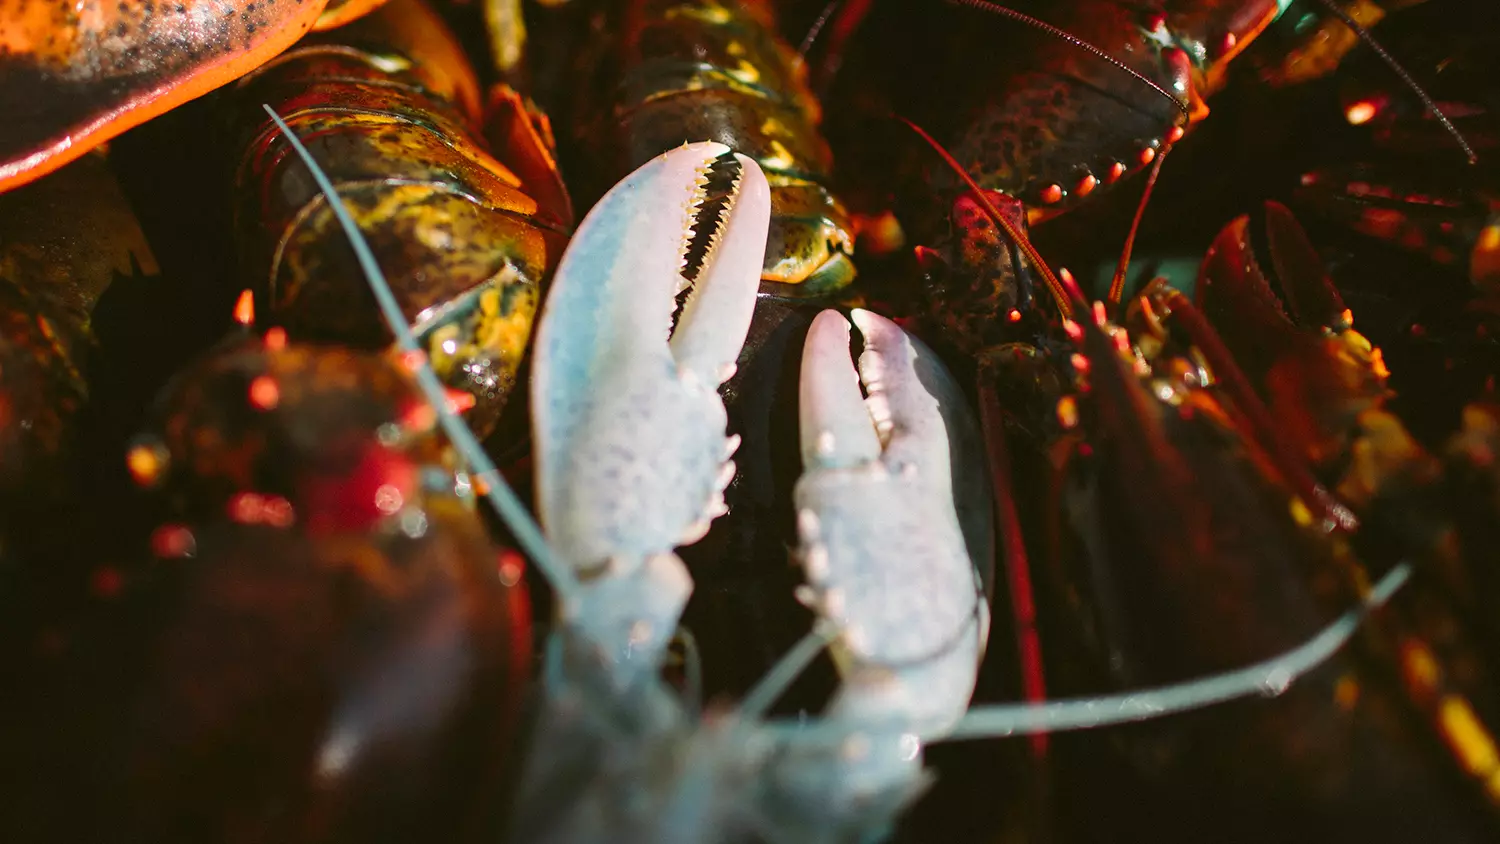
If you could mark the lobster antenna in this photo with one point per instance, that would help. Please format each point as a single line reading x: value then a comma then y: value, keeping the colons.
x: 1268, y: 678
x: 1017, y: 563
x: 1427, y: 101
x: 816, y: 30
x: 488, y: 478
x: 786, y: 670
x: 1055, y: 32
x: 1053, y: 286
x: 1117, y: 284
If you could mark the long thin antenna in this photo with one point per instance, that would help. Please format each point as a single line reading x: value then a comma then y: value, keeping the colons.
x: 786, y: 670
x: 1268, y: 678
x: 817, y: 28
x: 1427, y: 101
x: 1017, y: 562
x: 1055, y: 32
x: 488, y: 478
x: 1117, y: 284
x: 1053, y: 285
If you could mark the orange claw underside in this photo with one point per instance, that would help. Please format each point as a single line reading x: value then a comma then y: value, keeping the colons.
x: 74, y: 75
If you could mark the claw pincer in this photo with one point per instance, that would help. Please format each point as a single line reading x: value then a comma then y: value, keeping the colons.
x: 631, y: 450
x: 881, y: 543
x: 887, y: 563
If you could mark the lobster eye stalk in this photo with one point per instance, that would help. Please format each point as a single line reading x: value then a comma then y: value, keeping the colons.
x: 496, y: 490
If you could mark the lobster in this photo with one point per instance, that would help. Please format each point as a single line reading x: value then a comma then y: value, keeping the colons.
x: 1325, y: 386
x: 323, y: 643
x: 64, y: 241
x: 391, y: 104
x: 1213, y: 549
x: 1447, y: 213
x: 615, y: 509
x: 678, y: 71
x: 73, y: 77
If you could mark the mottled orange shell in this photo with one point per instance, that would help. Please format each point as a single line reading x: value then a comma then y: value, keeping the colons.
x: 74, y: 75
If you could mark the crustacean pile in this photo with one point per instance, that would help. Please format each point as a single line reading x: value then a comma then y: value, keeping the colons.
x: 673, y: 421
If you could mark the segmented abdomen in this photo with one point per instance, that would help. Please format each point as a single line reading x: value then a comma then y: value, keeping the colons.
x: 388, y: 108
x: 702, y: 71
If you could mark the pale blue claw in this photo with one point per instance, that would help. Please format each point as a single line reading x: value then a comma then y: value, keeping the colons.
x: 630, y: 430
x: 881, y: 546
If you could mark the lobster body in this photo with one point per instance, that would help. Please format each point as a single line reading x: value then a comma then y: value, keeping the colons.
x: 1324, y: 383
x: 391, y: 105
x: 676, y: 72
x: 324, y: 645
x: 1193, y: 558
x: 63, y: 241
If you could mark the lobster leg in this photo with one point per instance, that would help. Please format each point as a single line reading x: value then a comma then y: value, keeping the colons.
x: 631, y: 453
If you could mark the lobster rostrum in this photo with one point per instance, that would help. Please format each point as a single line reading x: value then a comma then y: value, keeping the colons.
x: 658, y: 770
x: 675, y: 72
x: 73, y: 76
x: 392, y: 106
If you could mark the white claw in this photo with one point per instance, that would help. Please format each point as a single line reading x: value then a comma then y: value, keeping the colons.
x: 731, y: 445
x: 878, y: 523
x: 629, y: 427
x: 630, y: 430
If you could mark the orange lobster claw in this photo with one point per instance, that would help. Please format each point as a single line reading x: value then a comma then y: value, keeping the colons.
x: 75, y: 76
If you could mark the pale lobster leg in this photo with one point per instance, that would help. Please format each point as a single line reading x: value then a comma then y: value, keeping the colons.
x: 631, y: 453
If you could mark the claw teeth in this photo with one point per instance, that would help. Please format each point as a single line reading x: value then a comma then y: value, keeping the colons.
x: 809, y: 528
x: 726, y: 474
x: 727, y: 372
x: 731, y: 445
x: 880, y: 413
x: 718, y: 508
x: 815, y: 562
x: 695, y: 531
x: 807, y: 596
